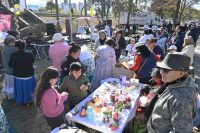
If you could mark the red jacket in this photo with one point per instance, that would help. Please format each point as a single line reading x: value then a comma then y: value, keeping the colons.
x: 138, y: 62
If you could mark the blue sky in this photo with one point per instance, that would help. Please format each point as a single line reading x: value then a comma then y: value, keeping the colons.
x: 197, y: 6
x: 35, y: 2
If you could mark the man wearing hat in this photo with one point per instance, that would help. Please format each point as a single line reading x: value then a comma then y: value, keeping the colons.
x: 58, y: 51
x: 173, y: 108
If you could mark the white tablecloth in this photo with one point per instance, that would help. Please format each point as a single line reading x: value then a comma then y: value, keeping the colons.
x: 97, y: 124
x: 57, y: 130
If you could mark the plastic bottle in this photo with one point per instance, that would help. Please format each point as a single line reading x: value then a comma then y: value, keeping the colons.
x: 90, y: 113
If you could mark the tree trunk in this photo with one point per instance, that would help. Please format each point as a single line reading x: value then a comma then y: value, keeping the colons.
x: 129, y: 10
x: 85, y: 7
x: 180, y: 17
x: 176, y: 16
x: 108, y: 8
x: 103, y: 8
x: 57, y: 11
x: 136, y: 2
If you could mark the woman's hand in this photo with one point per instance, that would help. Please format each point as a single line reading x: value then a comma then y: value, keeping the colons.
x: 64, y: 95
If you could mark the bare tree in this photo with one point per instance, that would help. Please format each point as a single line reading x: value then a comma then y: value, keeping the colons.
x: 185, y: 4
x: 176, y: 14
x: 171, y: 8
x: 102, y: 6
x: 124, y: 6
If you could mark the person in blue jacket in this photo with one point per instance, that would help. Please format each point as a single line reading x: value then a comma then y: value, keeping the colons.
x: 179, y: 38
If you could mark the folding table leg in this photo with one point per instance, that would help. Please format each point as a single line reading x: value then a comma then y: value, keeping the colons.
x: 44, y: 53
x: 37, y: 52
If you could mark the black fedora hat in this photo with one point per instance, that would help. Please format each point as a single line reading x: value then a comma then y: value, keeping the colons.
x: 175, y: 61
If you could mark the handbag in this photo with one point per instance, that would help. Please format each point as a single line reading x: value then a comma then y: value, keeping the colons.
x: 136, y: 74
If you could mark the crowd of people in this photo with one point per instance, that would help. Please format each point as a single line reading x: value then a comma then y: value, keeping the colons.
x: 162, y: 59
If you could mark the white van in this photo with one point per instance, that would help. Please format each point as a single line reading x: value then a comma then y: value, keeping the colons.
x: 141, y: 18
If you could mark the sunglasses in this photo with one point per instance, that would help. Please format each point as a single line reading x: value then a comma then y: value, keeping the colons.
x: 165, y: 70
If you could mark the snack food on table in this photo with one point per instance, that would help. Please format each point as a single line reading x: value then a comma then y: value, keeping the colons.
x: 108, y: 113
x: 97, y: 108
x: 114, y: 125
x: 128, y: 99
x: 95, y: 100
x: 83, y: 112
x: 106, y: 119
x: 118, y: 106
x: 89, y: 103
x: 116, y: 116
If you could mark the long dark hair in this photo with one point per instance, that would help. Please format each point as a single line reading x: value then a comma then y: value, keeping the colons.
x: 20, y: 44
x: 111, y: 42
x: 144, y: 51
x: 74, y: 49
x: 119, y: 32
x: 181, y: 28
x: 44, y: 84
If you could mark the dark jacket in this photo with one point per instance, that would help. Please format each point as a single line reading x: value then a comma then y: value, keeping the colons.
x: 146, y: 69
x: 158, y: 51
x: 179, y: 40
x: 175, y: 108
x: 65, y: 65
x: 194, y: 33
x: 72, y: 86
x: 22, y: 64
x: 122, y: 42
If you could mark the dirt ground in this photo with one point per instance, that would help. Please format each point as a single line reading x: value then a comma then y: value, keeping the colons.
x: 25, y: 119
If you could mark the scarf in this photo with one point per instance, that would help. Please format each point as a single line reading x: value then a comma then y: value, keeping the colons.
x: 149, y: 109
x: 102, y: 42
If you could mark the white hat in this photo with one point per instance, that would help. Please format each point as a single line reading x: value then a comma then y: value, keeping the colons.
x: 172, y: 47
x: 57, y: 37
x: 138, y: 44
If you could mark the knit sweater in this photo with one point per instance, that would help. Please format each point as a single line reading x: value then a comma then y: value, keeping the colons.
x: 57, y: 53
x: 52, y: 103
